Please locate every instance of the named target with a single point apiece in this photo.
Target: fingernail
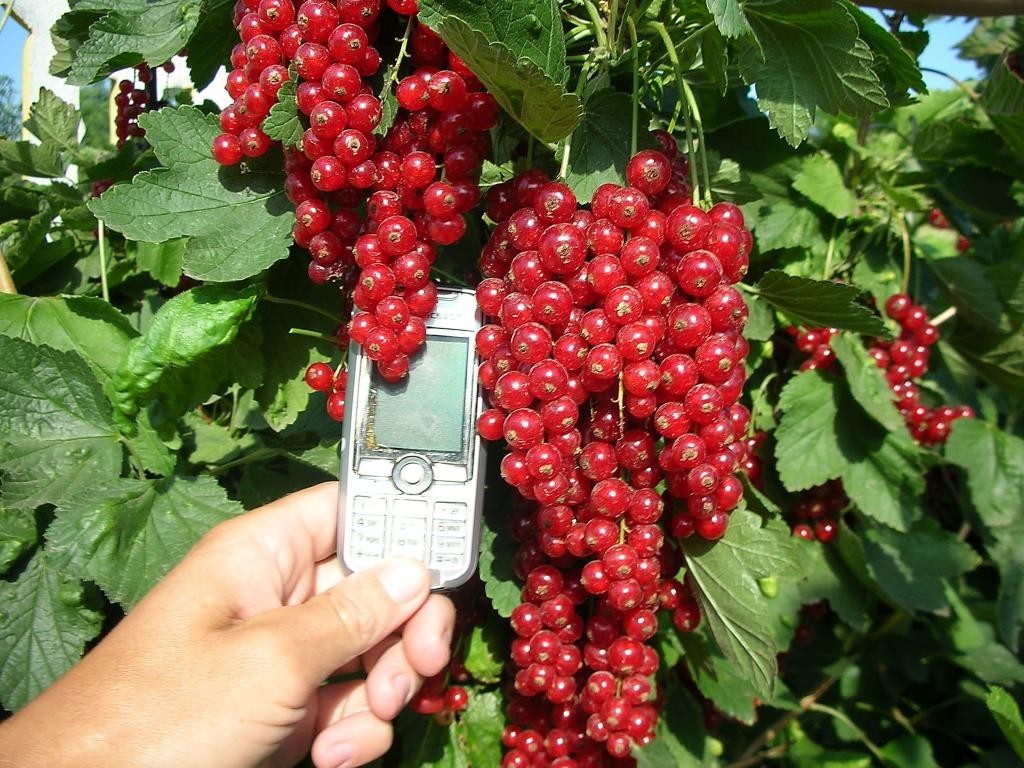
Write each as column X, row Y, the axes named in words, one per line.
column 341, row 754
column 401, row 686
column 402, row 579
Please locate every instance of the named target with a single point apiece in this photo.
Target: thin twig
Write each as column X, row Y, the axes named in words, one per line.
column 943, row 316
column 636, row 85
column 6, row 281
column 101, row 232
column 677, row 71
column 301, row 305
column 691, row 102
column 907, row 252
column 845, row 720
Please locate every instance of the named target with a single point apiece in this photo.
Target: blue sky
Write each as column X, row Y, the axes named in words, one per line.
column 939, row 54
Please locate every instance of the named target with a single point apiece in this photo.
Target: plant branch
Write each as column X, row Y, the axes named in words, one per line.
column 702, row 151
column 636, row 85
column 102, row 234
column 677, row 71
column 971, row 8
column 845, row 719
column 301, row 305
column 943, row 316
column 6, row 281
column 907, row 252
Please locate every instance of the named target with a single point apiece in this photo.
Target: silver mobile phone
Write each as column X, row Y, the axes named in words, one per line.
column 412, row 463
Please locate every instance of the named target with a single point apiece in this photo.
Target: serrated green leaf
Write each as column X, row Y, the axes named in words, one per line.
column 29, row 159
column 898, row 66
column 824, row 576
column 965, row 283
column 56, row 427
column 127, row 537
column 497, row 553
column 529, row 29
column 729, row 17
column 679, row 738
column 525, row 91
column 807, row 449
column 599, row 146
column 718, row 680
column 238, row 221
column 17, row 535
column 867, row 383
column 1007, row 716
column 44, row 626
column 192, row 324
column 283, row 123
column 725, row 575
column 997, row 357
column 91, row 327
column 808, row 56
column 908, row 751
column 486, row 650
column 1003, row 91
column 821, row 182
column 911, row 567
column 820, row 303
column 53, row 120
column 478, row 728
column 126, row 37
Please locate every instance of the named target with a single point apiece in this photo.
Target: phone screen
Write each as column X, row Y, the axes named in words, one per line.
column 425, row 411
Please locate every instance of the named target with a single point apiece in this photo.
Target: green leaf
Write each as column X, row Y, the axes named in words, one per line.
column 824, row 576
column 994, row 464
column 164, row 261
column 486, row 650
column 529, row 29
column 30, row 159
column 238, row 221
column 1007, row 716
column 821, row 182
column 497, row 553
column 599, row 146
column 760, row 322
column 478, row 728
column 186, row 328
column 807, row 449
column 783, row 225
column 911, row 567
column 44, row 626
column 91, row 327
column 127, row 537
column 898, row 67
column 1003, row 92
column 909, row 751
column 725, row 575
column 283, row 123
column 729, row 17
column 425, row 744
column 151, row 31
column 964, row 280
column 56, row 429
column 974, row 646
column 211, row 42
column 808, row 55
column 824, row 434
column 820, row 303
column 718, row 680
column 867, row 383
column 531, row 96
column 997, row 357
column 53, row 120
column 17, row 535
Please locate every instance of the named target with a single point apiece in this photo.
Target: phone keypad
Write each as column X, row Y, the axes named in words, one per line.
column 435, row 533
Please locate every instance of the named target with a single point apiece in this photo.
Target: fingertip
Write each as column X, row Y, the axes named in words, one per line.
column 404, row 580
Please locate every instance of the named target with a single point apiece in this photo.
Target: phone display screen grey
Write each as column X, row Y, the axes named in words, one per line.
column 434, row 391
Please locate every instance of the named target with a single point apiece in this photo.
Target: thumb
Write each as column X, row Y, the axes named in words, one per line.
column 347, row 620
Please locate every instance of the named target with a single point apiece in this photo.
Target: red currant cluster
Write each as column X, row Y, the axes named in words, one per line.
column 816, row 515
column 322, row 378
column 815, row 342
column 132, row 101
column 905, row 361
column 615, row 362
column 442, row 126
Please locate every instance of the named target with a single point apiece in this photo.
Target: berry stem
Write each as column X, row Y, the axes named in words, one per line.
column 613, row 14
column 392, row 76
column 677, row 70
column 301, row 305
column 701, row 147
column 449, row 276
column 595, row 18
column 102, row 237
column 943, row 316
column 907, row 253
column 843, row 718
column 827, row 272
column 567, row 146
column 636, row 84
column 6, row 281
column 312, row 335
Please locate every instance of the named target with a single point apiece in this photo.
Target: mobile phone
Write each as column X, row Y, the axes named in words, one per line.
column 412, row 464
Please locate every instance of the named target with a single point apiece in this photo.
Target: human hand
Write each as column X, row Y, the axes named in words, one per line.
column 221, row 664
